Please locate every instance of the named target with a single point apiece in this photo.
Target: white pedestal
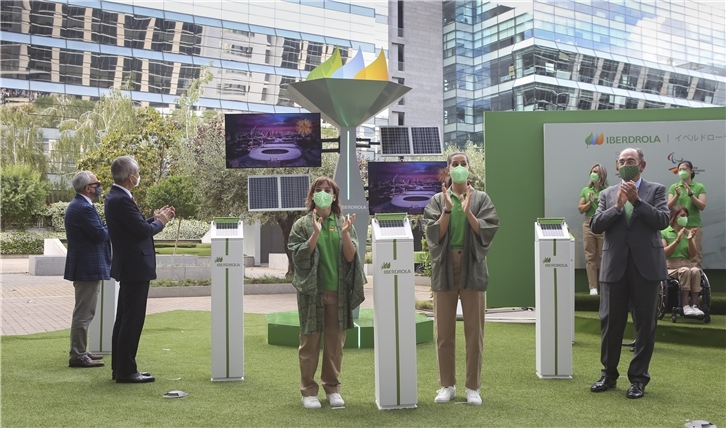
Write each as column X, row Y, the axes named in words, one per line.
column 101, row 328
column 394, row 322
column 228, row 273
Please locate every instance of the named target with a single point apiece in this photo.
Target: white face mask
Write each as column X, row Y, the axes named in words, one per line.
column 138, row 180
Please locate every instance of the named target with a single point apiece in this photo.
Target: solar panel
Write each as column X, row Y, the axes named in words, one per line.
column 552, row 230
column 392, row 227
column 294, row 191
column 426, row 140
column 277, row 193
column 395, row 140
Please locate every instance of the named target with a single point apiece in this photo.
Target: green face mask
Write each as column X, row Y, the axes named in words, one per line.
column 682, row 221
column 323, row 200
column 594, row 177
column 459, row 174
column 628, row 172
column 685, row 175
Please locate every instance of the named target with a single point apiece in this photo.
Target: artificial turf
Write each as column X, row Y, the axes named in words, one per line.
column 39, row 390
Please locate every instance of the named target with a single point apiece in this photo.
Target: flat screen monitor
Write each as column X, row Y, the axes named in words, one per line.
column 398, row 187
column 267, row 140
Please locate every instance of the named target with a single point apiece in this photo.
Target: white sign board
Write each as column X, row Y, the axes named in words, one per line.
column 571, row 149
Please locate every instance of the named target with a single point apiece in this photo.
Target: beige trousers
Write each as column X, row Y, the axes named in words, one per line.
column 698, row 241
column 473, row 305
column 309, row 352
column 593, row 252
column 687, row 274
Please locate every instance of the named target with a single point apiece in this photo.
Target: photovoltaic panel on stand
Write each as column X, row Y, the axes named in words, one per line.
column 395, row 141
column 293, row 191
column 410, row 141
column 426, row 140
column 277, row 193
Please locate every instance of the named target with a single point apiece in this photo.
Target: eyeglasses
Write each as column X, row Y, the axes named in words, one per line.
column 628, row 161
column 96, row 184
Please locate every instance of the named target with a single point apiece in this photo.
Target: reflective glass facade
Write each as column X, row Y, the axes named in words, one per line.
column 578, row 55
column 255, row 49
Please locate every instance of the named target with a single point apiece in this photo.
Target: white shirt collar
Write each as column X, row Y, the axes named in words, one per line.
column 125, row 190
column 86, row 198
column 637, row 183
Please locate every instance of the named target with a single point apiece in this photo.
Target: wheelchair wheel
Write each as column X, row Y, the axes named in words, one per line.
column 662, row 299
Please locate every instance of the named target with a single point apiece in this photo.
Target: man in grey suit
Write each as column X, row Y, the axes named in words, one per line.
column 633, row 265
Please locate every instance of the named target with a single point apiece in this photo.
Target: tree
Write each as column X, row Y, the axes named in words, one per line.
column 176, row 191
column 150, row 143
column 23, row 195
column 22, row 138
column 82, row 129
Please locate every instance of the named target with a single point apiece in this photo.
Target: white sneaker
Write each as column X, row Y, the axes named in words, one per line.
column 473, row 397
column 311, row 402
column 445, row 394
column 593, row 291
column 335, row 400
column 688, row 311
column 697, row 312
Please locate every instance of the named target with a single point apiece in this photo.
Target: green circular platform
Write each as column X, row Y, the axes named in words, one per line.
column 283, row 328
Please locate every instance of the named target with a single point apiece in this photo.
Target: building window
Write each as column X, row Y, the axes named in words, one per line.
column 191, row 39
column 244, row 51
column 163, row 38
column 283, row 100
column 41, row 18
column 290, row 54
column 103, row 27
column 39, row 64
column 135, row 31
column 608, row 72
column 678, row 85
column 103, row 70
column 71, row 67
column 588, row 65
column 314, row 55
column 653, row 82
column 629, row 76
column 73, row 22
column 401, row 118
column 705, row 90
column 263, row 96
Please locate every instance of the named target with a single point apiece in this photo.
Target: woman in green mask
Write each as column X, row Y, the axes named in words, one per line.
column 592, row 242
column 329, row 281
column 460, row 223
column 692, row 195
column 680, row 249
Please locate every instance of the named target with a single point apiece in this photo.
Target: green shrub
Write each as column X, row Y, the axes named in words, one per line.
column 24, row 242
column 23, row 195
column 55, row 214
column 190, row 229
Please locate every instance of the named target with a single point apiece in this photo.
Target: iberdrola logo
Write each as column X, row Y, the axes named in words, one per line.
column 592, row 140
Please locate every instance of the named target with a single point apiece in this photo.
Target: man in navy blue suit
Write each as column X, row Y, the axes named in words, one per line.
column 133, row 265
column 87, row 263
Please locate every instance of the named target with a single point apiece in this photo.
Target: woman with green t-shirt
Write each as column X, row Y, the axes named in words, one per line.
column 680, row 249
column 692, row 195
column 329, row 282
column 592, row 242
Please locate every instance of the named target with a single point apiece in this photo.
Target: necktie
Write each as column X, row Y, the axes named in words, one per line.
column 628, row 211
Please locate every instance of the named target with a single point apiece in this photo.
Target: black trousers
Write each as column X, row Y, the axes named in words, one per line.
column 130, row 317
column 635, row 294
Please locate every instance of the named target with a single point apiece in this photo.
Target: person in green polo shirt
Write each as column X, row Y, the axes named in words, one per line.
column 329, row 281
column 460, row 223
column 680, row 248
column 592, row 242
column 692, row 195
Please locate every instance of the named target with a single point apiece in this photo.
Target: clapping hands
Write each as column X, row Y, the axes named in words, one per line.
column 164, row 214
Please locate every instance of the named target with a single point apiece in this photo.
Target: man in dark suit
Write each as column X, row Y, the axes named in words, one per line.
column 87, row 263
column 633, row 265
column 133, row 265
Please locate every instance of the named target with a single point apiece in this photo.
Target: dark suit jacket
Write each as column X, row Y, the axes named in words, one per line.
column 89, row 250
column 131, row 238
column 641, row 238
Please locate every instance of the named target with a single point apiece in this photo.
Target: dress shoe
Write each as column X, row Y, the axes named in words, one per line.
column 94, row 356
column 603, row 384
column 631, row 343
column 135, row 378
column 636, row 390
column 113, row 374
column 84, row 362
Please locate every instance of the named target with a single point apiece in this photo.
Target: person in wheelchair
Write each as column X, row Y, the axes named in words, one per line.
column 680, row 249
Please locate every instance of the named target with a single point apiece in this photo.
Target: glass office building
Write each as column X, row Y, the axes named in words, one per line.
column 255, row 49
column 578, row 55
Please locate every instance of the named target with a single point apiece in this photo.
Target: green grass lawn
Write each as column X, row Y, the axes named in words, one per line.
column 39, row 390
column 196, row 249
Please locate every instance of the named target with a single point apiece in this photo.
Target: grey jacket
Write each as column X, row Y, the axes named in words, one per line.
column 474, row 273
